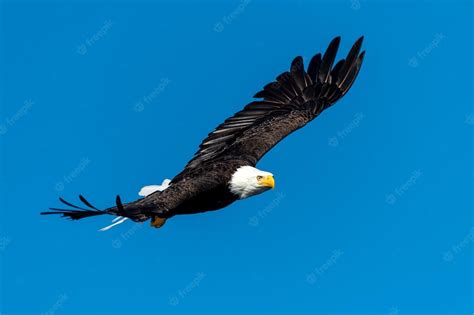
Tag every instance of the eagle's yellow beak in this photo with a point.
(268, 181)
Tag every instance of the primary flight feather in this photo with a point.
(223, 169)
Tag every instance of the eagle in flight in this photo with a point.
(223, 169)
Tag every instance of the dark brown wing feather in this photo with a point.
(288, 103)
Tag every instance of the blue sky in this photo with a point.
(372, 213)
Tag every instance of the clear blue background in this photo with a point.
(411, 255)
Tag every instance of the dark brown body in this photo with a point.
(200, 190)
(214, 199)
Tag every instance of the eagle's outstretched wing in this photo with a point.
(295, 98)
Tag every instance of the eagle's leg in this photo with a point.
(158, 222)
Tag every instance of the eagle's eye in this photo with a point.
(259, 178)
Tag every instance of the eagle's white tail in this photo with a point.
(145, 191)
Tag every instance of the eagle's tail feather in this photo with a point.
(78, 212)
(121, 211)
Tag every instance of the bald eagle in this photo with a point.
(223, 169)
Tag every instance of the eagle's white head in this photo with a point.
(248, 181)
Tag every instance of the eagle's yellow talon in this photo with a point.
(158, 222)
